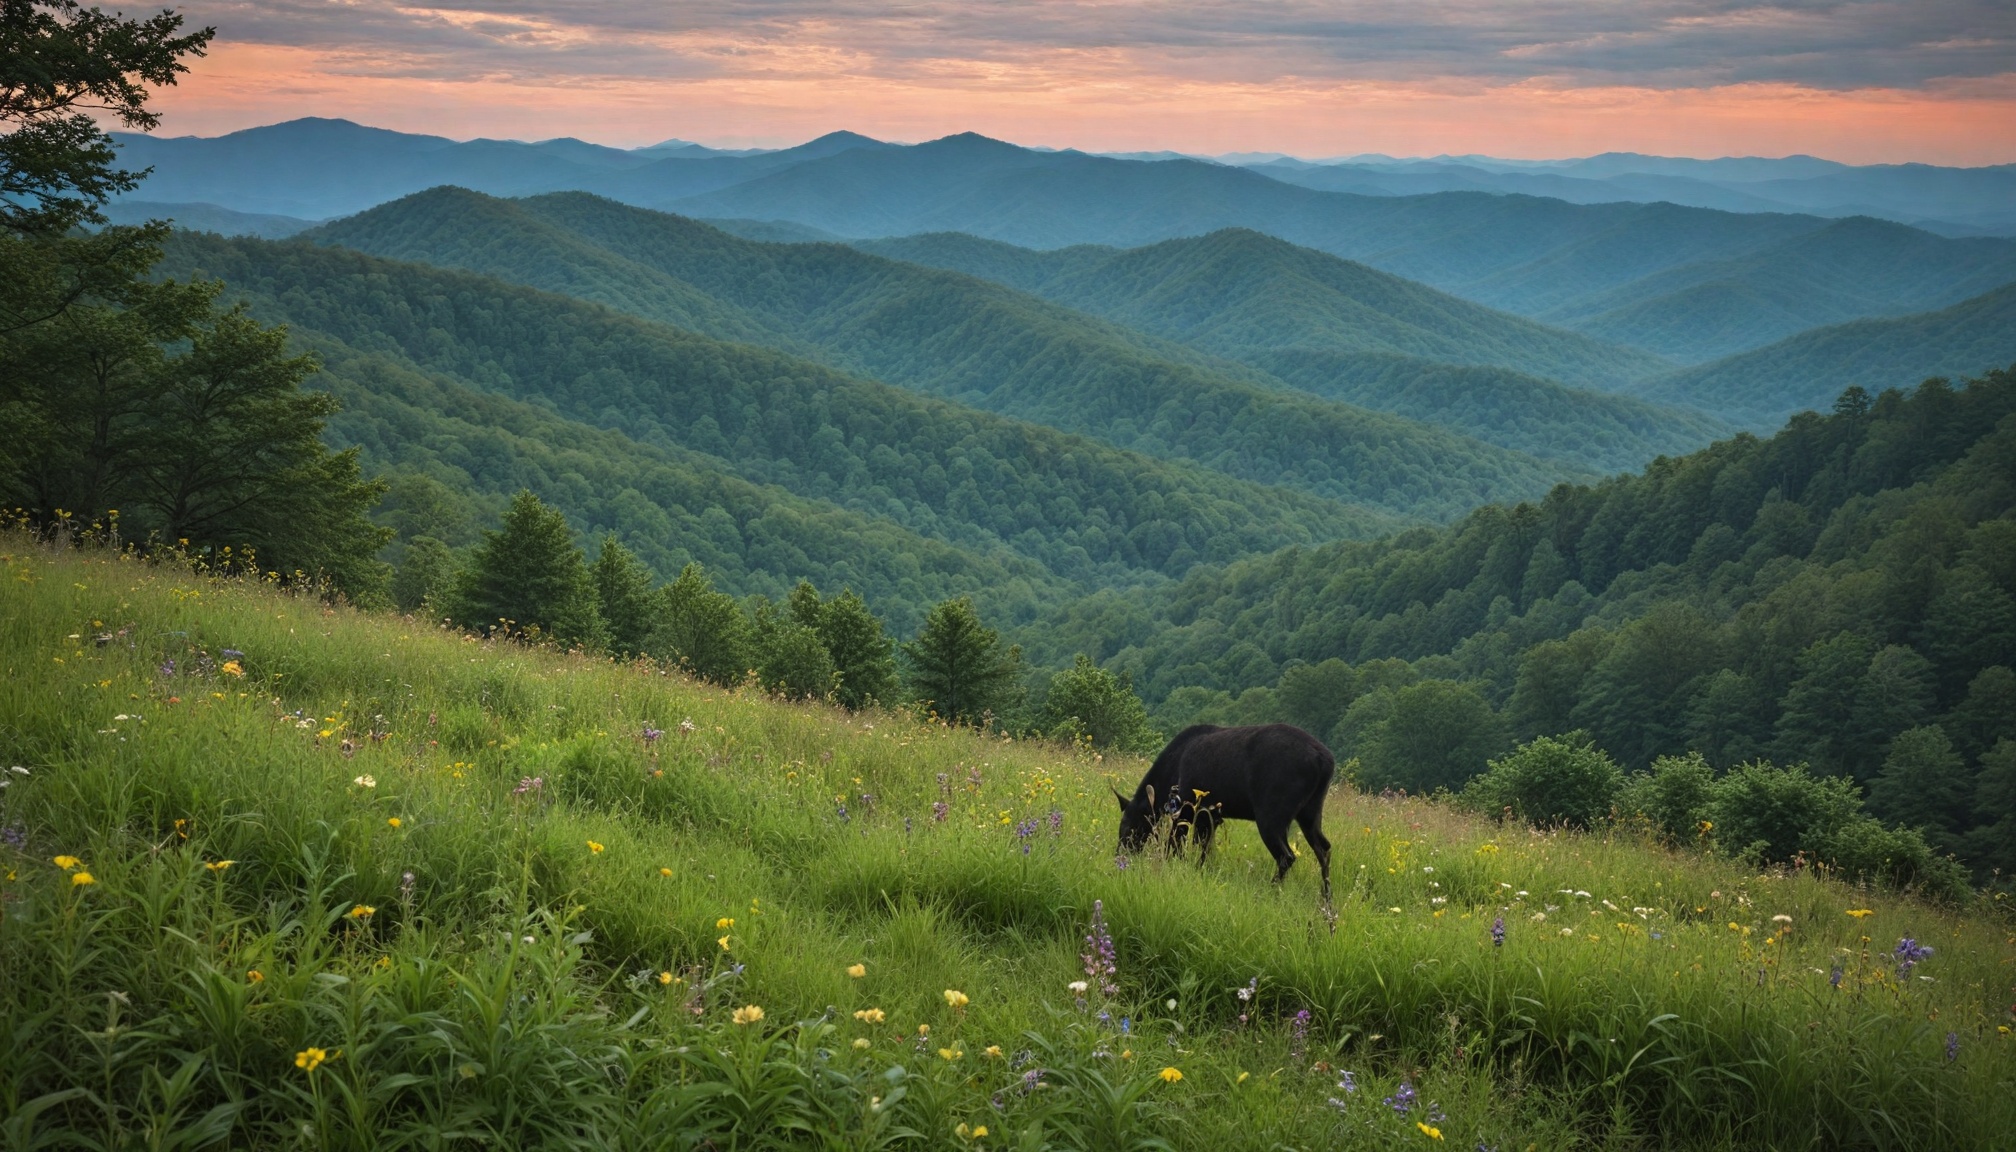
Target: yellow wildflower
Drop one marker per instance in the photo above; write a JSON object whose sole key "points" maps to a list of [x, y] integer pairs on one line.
{"points": [[1170, 1075], [923, 1029], [723, 941], [233, 668], [871, 1015], [863, 1042], [1428, 1130], [365, 781], [1242, 1077], [748, 1014], [857, 971], [1859, 913], [594, 849], [392, 822], [309, 1059], [664, 977], [955, 998], [80, 879], [664, 872], [363, 912], [949, 1053], [254, 976], [725, 922], [993, 1052], [218, 865], [979, 1132], [67, 863]]}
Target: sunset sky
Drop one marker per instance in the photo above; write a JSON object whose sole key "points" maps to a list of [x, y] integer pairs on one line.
{"points": [[1863, 81]]}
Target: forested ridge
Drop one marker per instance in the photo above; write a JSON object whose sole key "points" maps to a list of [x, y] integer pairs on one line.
{"points": [[1089, 513], [968, 340], [1814, 596]]}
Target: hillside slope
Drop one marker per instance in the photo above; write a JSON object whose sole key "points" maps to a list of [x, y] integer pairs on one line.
{"points": [[1807, 371], [967, 340]]}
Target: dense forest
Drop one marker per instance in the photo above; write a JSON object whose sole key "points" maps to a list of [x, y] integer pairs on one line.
{"points": [[1841, 594]]}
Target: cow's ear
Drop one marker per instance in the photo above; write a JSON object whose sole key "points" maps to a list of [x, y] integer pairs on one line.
{"points": [[1121, 800]]}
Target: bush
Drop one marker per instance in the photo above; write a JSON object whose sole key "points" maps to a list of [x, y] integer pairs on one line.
{"points": [[1550, 780], [1090, 702], [1673, 797], [1771, 814], [1862, 849]]}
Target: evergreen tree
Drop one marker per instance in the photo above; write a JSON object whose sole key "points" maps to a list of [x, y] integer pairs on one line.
{"points": [[1924, 784], [1090, 702], [623, 590], [529, 578], [791, 660], [958, 668], [426, 575], [1970, 625], [864, 659], [701, 630]]}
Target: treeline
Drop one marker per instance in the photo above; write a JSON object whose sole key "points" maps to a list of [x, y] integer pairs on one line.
{"points": [[1841, 595], [529, 580]]}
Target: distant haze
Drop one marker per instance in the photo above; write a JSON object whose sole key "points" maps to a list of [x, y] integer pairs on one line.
{"points": [[1883, 81]]}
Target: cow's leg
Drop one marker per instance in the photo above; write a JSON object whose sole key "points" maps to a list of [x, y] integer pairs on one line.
{"points": [[1207, 831], [1275, 837], [1311, 820], [1179, 831]]}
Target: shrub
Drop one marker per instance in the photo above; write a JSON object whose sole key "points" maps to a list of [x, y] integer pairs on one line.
{"points": [[1673, 797], [1771, 814], [1550, 780]]}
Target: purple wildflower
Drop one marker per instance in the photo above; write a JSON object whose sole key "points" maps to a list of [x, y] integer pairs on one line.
{"points": [[168, 666], [1834, 976], [1126, 1026], [1909, 955], [843, 812], [651, 734], [1100, 959], [1402, 1099], [1120, 862], [1952, 1046], [233, 654], [1298, 1035], [1498, 932], [1056, 821], [1023, 832], [939, 811], [1032, 1080], [944, 783], [14, 836], [528, 784]]}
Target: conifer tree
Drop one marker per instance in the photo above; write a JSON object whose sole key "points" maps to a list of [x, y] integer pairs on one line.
{"points": [[958, 668], [701, 630], [623, 589], [864, 659], [529, 578]]}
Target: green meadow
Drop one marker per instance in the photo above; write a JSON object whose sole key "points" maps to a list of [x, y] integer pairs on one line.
{"points": [[282, 874]]}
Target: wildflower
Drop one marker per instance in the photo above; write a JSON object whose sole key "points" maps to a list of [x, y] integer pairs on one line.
{"points": [[723, 941], [857, 971], [1170, 1075], [992, 1052], [254, 976], [843, 813], [748, 1014], [1498, 932], [233, 668], [392, 822], [666, 872], [82, 879], [1859, 913], [950, 1054], [1402, 1100], [1428, 1130], [1099, 956], [939, 810], [1781, 918], [923, 1030], [1056, 821], [1023, 832], [218, 865], [862, 1042], [956, 998], [528, 784], [309, 1059], [365, 781], [362, 912], [686, 726], [1834, 976], [1120, 863], [594, 849], [67, 863], [1298, 1035], [870, 1015], [1952, 1046], [1909, 955], [725, 922], [1078, 987], [651, 734]]}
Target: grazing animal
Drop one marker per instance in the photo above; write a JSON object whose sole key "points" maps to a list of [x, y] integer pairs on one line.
{"points": [[1270, 774]]}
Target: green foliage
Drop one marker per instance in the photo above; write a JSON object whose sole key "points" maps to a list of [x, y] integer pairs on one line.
{"points": [[1549, 781], [958, 668], [426, 576], [1090, 703], [791, 660], [1433, 735], [1768, 813], [528, 578], [623, 591], [1673, 797], [701, 630], [1925, 784], [864, 659]]}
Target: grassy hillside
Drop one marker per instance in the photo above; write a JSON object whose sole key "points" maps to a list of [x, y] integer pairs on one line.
{"points": [[1806, 371], [1237, 291], [275, 872], [973, 342], [1853, 268]]}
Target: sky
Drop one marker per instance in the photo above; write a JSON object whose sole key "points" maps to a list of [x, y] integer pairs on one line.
{"points": [[1861, 81]]}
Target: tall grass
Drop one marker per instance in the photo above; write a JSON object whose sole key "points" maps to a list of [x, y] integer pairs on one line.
{"points": [[464, 873]]}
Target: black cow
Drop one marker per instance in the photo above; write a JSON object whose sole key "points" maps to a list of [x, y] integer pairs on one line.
{"points": [[1270, 774]]}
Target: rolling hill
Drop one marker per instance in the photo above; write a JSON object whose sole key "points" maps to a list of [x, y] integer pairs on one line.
{"points": [[1761, 387], [954, 336], [854, 451], [1851, 269]]}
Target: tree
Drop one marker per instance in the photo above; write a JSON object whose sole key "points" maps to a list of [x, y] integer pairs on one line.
{"points": [[426, 575], [623, 590], [1550, 780], [529, 578], [791, 660], [1090, 702], [864, 659], [1438, 734], [1987, 714], [1924, 784], [958, 668], [1993, 842], [1822, 720], [1550, 681], [1673, 796], [701, 630], [1313, 697], [1726, 718]]}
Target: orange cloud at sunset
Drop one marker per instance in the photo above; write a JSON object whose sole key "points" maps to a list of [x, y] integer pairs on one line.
{"points": [[754, 74]]}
